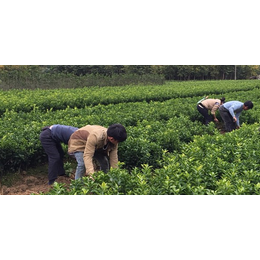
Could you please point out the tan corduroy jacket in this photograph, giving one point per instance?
(88, 139)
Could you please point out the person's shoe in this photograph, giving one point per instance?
(64, 175)
(51, 182)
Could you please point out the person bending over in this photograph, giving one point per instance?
(211, 105)
(230, 112)
(51, 138)
(94, 141)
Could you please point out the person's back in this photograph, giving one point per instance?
(210, 103)
(233, 105)
(93, 134)
(94, 141)
(62, 133)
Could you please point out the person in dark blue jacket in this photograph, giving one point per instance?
(51, 138)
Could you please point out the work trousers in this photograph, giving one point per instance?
(101, 159)
(55, 154)
(230, 125)
(204, 111)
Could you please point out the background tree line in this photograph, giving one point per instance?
(170, 72)
(61, 76)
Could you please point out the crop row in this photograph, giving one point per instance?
(168, 150)
(210, 165)
(151, 127)
(28, 100)
(147, 134)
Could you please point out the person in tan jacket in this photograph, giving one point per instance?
(212, 105)
(94, 141)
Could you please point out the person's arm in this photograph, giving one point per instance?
(213, 111)
(231, 110)
(237, 119)
(113, 157)
(89, 153)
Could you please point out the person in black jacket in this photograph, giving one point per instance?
(51, 138)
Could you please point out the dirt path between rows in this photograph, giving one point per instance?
(33, 181)
(31, 185)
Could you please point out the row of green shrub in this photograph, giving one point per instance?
(151, 126)
(210, 165)
(168, 150)
(27, 100)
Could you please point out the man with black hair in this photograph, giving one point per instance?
(51, 138)
(94, 141)
(230, 112)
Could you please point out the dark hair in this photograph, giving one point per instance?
(249, 104)
(118, 132)
(222, 100)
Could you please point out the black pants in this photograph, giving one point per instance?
(55, 154)
(204, 111)
(230, 125)
(102, 160)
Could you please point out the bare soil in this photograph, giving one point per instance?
(32, 181)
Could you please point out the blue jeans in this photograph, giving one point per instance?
(101, 158)
(80, 171)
